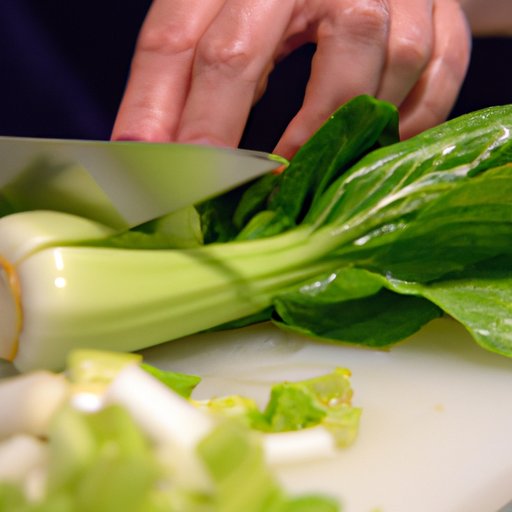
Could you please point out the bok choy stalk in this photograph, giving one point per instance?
(356, 241)
(128, 299)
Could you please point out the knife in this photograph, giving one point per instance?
(506, 508)
(119, 183)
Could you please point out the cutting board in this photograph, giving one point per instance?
(436, 428)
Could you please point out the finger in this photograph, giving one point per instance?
(409, 49)
(432, 99)
(231, 66)
(350, 55)
(161, 67)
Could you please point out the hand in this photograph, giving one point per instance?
(200, 65)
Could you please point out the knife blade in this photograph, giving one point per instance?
(120, 183)
(506, 508)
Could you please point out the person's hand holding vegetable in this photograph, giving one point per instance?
(200, 65)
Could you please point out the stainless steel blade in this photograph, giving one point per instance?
(506, 508)
(129, 182)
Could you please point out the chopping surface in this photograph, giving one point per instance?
(437, 415)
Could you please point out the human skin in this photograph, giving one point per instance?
(489, 17)
(200, 65)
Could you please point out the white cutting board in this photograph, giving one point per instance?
(436, 429)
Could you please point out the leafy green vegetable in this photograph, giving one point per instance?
(355, 241)
(414, 211)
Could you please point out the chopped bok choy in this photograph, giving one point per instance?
(112, 436)
(362, 239)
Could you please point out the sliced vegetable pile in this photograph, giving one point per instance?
(362, 239)
(113, 434)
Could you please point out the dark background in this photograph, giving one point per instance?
(64, 65)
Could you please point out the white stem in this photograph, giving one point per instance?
(164, 415)
(21, 235)
(298, 446)
(24, 233)
(129, 299)
(172, 422)
(19, 455)
(29, 402)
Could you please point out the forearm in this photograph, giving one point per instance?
(489, 17)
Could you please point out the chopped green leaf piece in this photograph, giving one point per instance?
(323, 400)
(311, 504)
(181, 383)
(234, 459)
(101, 461)
(234, 406)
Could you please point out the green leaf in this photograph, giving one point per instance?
(12, 498)
(181, 383)
(254, 199)
(217, 214)
(177, 230)
(101, 461)
(368, 315)
(264, 224)
(323, 400)
(480, 298)
(464, 223)
(354, 129)
(457, 149)
(350, 132)
(311, 504)
(234, 459)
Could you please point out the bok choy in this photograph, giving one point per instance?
(362, 239)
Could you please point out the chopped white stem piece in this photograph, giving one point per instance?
(172, 422)
(29, 402)
(298, 446)
(19, 455)
(87, 401)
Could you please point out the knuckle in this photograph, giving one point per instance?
(230, 58)
(369, 15)
(412, 50)
(167, 40)
(364, 20)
